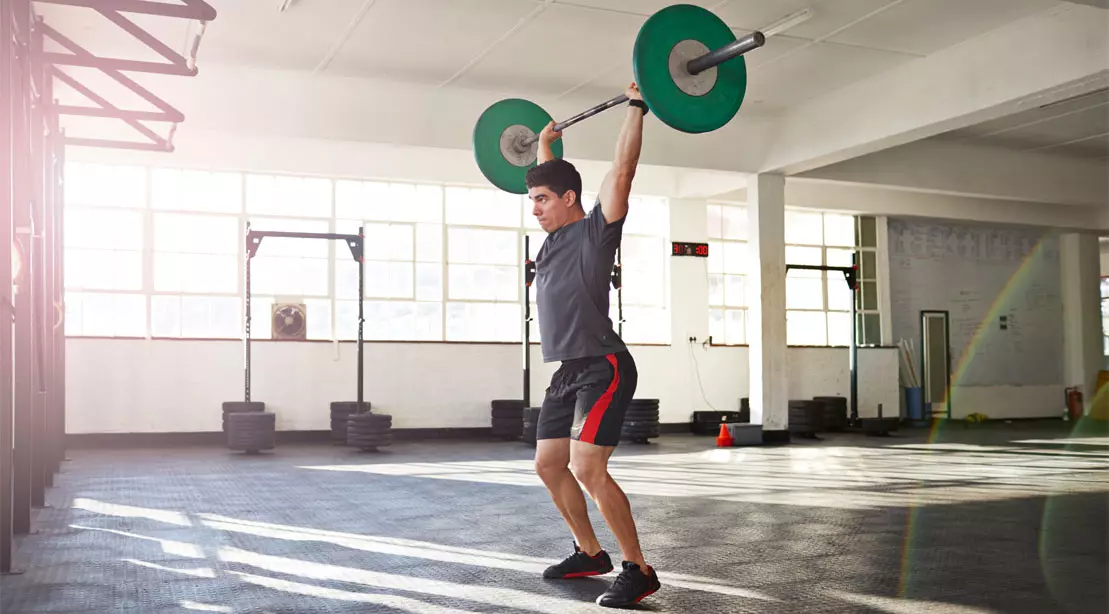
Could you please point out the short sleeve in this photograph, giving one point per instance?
(604, 235)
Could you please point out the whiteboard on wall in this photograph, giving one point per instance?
(1001, 287)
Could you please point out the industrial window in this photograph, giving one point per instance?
(818, 303)
(154, 251)
(1105, 314)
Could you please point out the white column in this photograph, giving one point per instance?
(766, 299)
(1080, 268)
(689, 295)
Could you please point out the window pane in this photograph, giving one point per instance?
(804, 292)
(735, 326)
(714, 223)
(716, 326)
(197, 234)
(870, 329)
(105, 315)
(868, 295)
(806, 328)
(209, 317)
(839, 230)
(384, 202)
(389, 280)
(804, 255)
(290, 277)
(429, 282)
(644, 253)
(196, 273)
(646, 324)
(346, 279)
(429, 242)
(1105, 287)
(283, 246)
(647, 216)
(716, 257)
(479, 246)
(481, 282)
(869, 232)
(288, 195)
(839, 294)
(869, 265)
(104, 228)
(734, 221)
(839, 328)
(484, 322)
(390, 242)
(839, 257)
(642, 286)
(716, 290)
(189, 190)
(483, 207)
(735, 291)
(803, 228)
(102, 269)
(105, 185)
(736, 257)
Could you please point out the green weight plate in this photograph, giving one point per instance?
(493, 135)
(690, 103)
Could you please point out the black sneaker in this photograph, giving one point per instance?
(579, 565)
(630, 587)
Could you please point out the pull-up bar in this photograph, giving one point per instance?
(851, 276)
(356, 243)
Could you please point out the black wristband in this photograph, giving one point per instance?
(639, 103)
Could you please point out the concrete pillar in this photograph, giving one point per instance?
(1080, 266)
(766, 300)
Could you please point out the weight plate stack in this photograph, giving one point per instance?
(835, 412)
(341, 411)
(640, 421)
(240, 406)
(530, 423)
(806, 417)
(367, 431)
(507, 418)
(251, 431)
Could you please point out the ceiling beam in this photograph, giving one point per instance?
(980, 171)
(1035, 61)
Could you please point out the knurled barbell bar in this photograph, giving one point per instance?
(690, 70)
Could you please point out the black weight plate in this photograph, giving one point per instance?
(243, 406)
(507, 412)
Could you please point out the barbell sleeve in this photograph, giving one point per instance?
(733, 49)
(586, 114)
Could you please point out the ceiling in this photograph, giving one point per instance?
(551, 48)
(1076, 127)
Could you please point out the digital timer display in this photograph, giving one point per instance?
(684, 248)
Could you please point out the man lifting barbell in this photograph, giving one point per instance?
(583, 411)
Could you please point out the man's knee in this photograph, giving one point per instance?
(592, 472)
(550, 464)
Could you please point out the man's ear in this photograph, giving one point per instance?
(572, 196)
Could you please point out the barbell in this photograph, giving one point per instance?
(690, 70)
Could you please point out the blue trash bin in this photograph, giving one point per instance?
(914, 403)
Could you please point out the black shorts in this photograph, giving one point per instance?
(587, 399)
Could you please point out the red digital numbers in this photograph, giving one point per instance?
(682, 248)
(702, 250)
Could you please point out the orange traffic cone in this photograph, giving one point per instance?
(724, 439)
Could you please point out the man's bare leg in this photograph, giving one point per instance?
(552, 463)
(589, 464)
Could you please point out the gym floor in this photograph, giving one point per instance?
(991, 518)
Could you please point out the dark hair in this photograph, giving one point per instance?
(558, 175)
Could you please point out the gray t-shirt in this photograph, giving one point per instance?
(572, 279)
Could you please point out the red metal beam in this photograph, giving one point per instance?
(134, 30)
(91, 61)
(195, 9)
(114, 113)
(163, 147)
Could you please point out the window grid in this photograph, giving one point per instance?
(161, 306)
(823, 324)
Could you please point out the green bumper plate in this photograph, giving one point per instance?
(651, 65)
(508, 172)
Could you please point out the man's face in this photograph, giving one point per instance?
(552, 211)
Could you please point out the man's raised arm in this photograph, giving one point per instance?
(617, 185)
